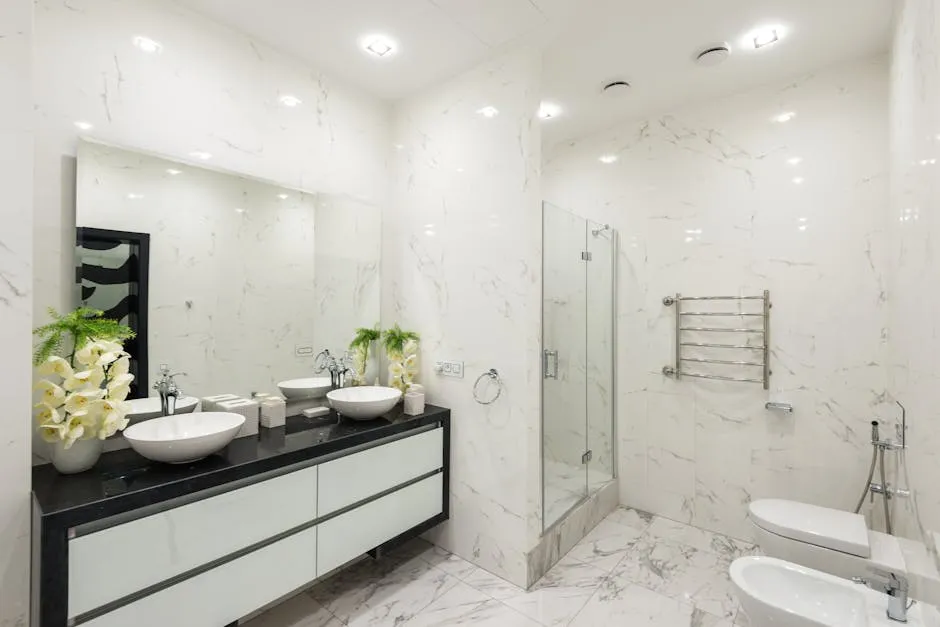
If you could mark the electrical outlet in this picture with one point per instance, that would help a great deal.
(301, 350)
(450, 368)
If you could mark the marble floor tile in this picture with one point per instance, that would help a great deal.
(605, 545)
(629, 517)
(465, 605)
(490, 584)
(617, 603)
(390, 598)
(699, 538)
(694, 576)
(298, 611)
(448, 562)
(560, 594)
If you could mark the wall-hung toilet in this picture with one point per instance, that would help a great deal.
(822, 538)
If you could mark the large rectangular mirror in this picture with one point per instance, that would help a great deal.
(237, 282)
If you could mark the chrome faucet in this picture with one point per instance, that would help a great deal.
(895, 586)
(169, 391)
(338, 368)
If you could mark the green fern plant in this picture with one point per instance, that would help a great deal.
(364, 338)
(78, 327)
(395, 338)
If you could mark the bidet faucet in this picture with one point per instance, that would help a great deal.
(895, 586)
(168, 390)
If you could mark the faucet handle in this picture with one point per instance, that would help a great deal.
(891, 580)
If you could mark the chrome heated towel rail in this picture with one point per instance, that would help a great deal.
(750, 340)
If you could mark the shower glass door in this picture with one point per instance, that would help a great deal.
(578, 301)
(564, 357)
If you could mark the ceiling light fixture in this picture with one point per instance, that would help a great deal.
(84, 126)
(795, 160)
(282, 196)
(148, 45)
(289, 101)
(764, 36)
(173, 171)
(608, 159)
(201, 155)
(548, 110)
(133, 196)
(784, 117)
(378, 45)
(798, 180)
(488, 112)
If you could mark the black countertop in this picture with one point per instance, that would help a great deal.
(123, 481)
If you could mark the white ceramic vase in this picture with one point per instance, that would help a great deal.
(81, 456)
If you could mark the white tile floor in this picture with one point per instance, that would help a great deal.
(632, 570)
(566, 485)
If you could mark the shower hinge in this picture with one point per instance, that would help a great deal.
(588, 456)
(586, 255)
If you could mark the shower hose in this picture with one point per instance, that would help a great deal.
(877, 457)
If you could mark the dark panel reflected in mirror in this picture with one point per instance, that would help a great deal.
(113, 272)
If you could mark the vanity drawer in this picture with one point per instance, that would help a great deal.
(351, 534)
(348, 480)
(109, 564)
(226, 593)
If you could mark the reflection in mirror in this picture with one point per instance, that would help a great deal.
(247, 280)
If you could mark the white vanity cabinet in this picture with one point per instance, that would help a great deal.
(209, 558)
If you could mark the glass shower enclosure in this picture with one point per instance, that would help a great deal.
(578, 324)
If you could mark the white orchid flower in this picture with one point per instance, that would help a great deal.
(410, 348)
(57, 366)
(52, 394)
(92, 378)
(47, 414)
(396, 369)
(119, 393)
(91, 353)
(109, 417)
(51, 432)
(120, 366)
(78, 401)
(411, 365)
(74, 429)
(106, 359)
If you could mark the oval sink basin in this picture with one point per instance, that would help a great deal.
(147, 408)
(184, 438)
(364, 403)
(315, 387)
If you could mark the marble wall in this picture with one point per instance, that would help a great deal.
(16, 303)
(914, 227)
(461, 265)
(209, 89)
(725, 197)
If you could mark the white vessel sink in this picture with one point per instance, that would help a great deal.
(775, 593)
(184, 438)
(147, 408)
(315, 387)
(364, 403)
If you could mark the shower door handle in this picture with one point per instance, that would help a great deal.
(549, 364)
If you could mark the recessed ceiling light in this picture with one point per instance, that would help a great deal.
(84, 126)
(798, 180)
(784, 117)
(488, 112)
(289, 101)
(795, 160)
(608, 159)
(283, 196)
(764, 36)
(148, 45)
(548, 110)
(239, 210)
(133, 196)
(378, 45)
(201, 155)
(173, 171)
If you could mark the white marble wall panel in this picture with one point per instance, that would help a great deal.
(16, 303)
(461, 266)
(718, 198)
(209, 89)
(914, 223)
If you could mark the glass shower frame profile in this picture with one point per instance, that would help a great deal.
(578, 368)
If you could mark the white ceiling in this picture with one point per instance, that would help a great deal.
(650, 43)
(437, 39)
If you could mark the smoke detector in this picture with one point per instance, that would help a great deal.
(713, 55)
(616, 88)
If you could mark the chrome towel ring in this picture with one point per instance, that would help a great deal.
(493, 376)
